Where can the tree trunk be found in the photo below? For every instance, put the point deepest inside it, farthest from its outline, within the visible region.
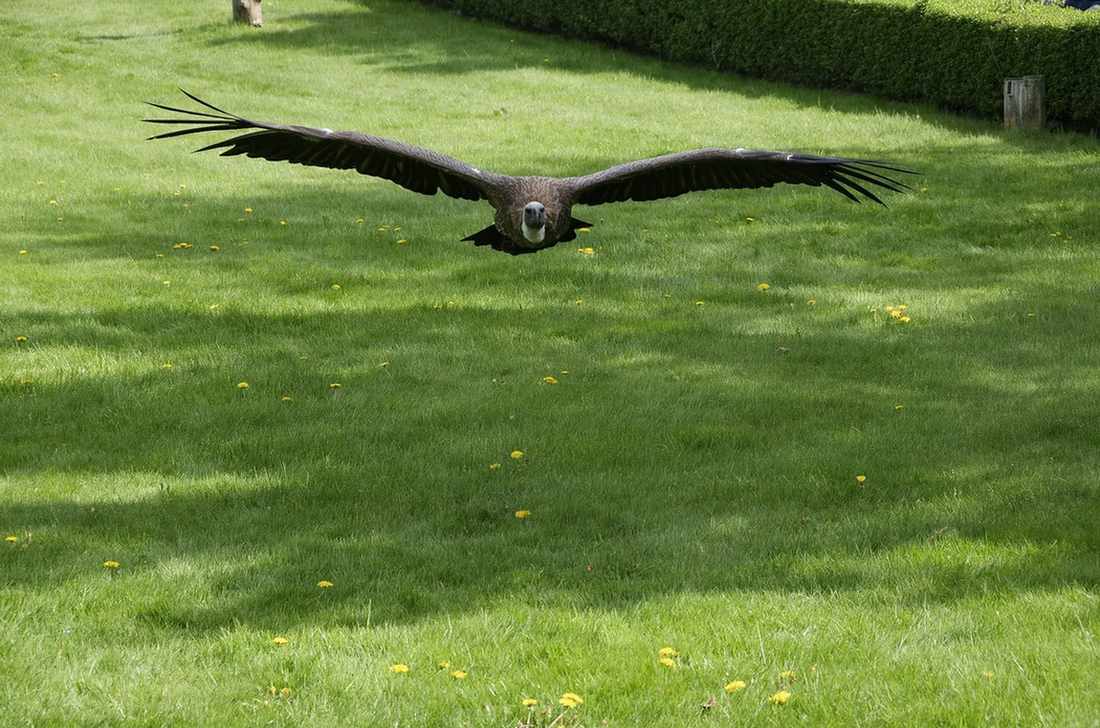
(1024, 103)
(248, 11)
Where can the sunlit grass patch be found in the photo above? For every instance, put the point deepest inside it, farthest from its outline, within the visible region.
(540, 471)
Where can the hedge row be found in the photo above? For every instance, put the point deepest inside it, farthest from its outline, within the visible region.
(953, 53)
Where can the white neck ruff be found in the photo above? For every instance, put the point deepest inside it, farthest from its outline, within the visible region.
(534, 235)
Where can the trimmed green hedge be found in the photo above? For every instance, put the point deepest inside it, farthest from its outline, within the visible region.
(954, 53)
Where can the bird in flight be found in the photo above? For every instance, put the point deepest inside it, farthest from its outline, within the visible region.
(532, 213)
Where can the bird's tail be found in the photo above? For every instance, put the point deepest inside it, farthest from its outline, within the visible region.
(199, 121)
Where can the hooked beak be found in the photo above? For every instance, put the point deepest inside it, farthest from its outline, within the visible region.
(534, 215)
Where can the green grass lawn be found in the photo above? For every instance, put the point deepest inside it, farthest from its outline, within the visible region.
(691, 476)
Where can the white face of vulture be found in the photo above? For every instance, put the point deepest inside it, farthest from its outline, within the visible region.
(534, 222)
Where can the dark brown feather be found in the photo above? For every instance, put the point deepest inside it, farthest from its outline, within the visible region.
(710, 169)
(414, 168)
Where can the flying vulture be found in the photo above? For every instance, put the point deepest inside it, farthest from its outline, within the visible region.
(532, 213)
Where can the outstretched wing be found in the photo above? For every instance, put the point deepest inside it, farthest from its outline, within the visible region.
(712, 169)
(414, 168)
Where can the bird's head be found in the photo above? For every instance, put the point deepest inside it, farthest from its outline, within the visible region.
(534, 222)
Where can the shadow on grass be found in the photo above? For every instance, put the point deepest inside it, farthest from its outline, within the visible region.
(408, 38)
(688, 449)
(687, 469)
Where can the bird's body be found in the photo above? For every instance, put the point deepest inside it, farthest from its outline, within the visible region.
(532, 213)
(514, 226)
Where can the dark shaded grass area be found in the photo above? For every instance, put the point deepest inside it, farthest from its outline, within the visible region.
(674, 456)
(387, 40)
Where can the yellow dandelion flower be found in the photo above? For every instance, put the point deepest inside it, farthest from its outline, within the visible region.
(861, 479)
(282, 222)
(11, 539)
(904, 319)
(700, 303)
(459, 674)
(285, 398)
(402, 241)
(550, 380)
(517, 455)
(494, 466)
(242, 385)
(570, 700)
(20, 339)
(584, 230)
(285, 692)
(987, 675)
(667, 652)
(762, 287)
(359, 221)
(780, 698)
(812, 301)
(399, 668)
(324, 584)
(786, 675)
(444, 665)
(335, 385)
(22, 252)
(899, 407)
(280, 641)
(530, 702)
(668, 662)
(215, 248)
(336, 286)
(166, 365)
(735, 685)
(586, 251)
(248, 210)
(521, 515)
(111, 564)
(383, 228)
(53, 202)
(272, 690)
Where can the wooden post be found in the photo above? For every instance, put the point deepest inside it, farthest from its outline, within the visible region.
(248, 11)
(1024, 103)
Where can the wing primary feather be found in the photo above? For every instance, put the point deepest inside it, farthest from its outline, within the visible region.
(183, 132)
(858, 188)
(874, 178)
(209, 106)
(234, 140)
(881, 165)
(174, 110)
(208, 120)
(841, 189)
